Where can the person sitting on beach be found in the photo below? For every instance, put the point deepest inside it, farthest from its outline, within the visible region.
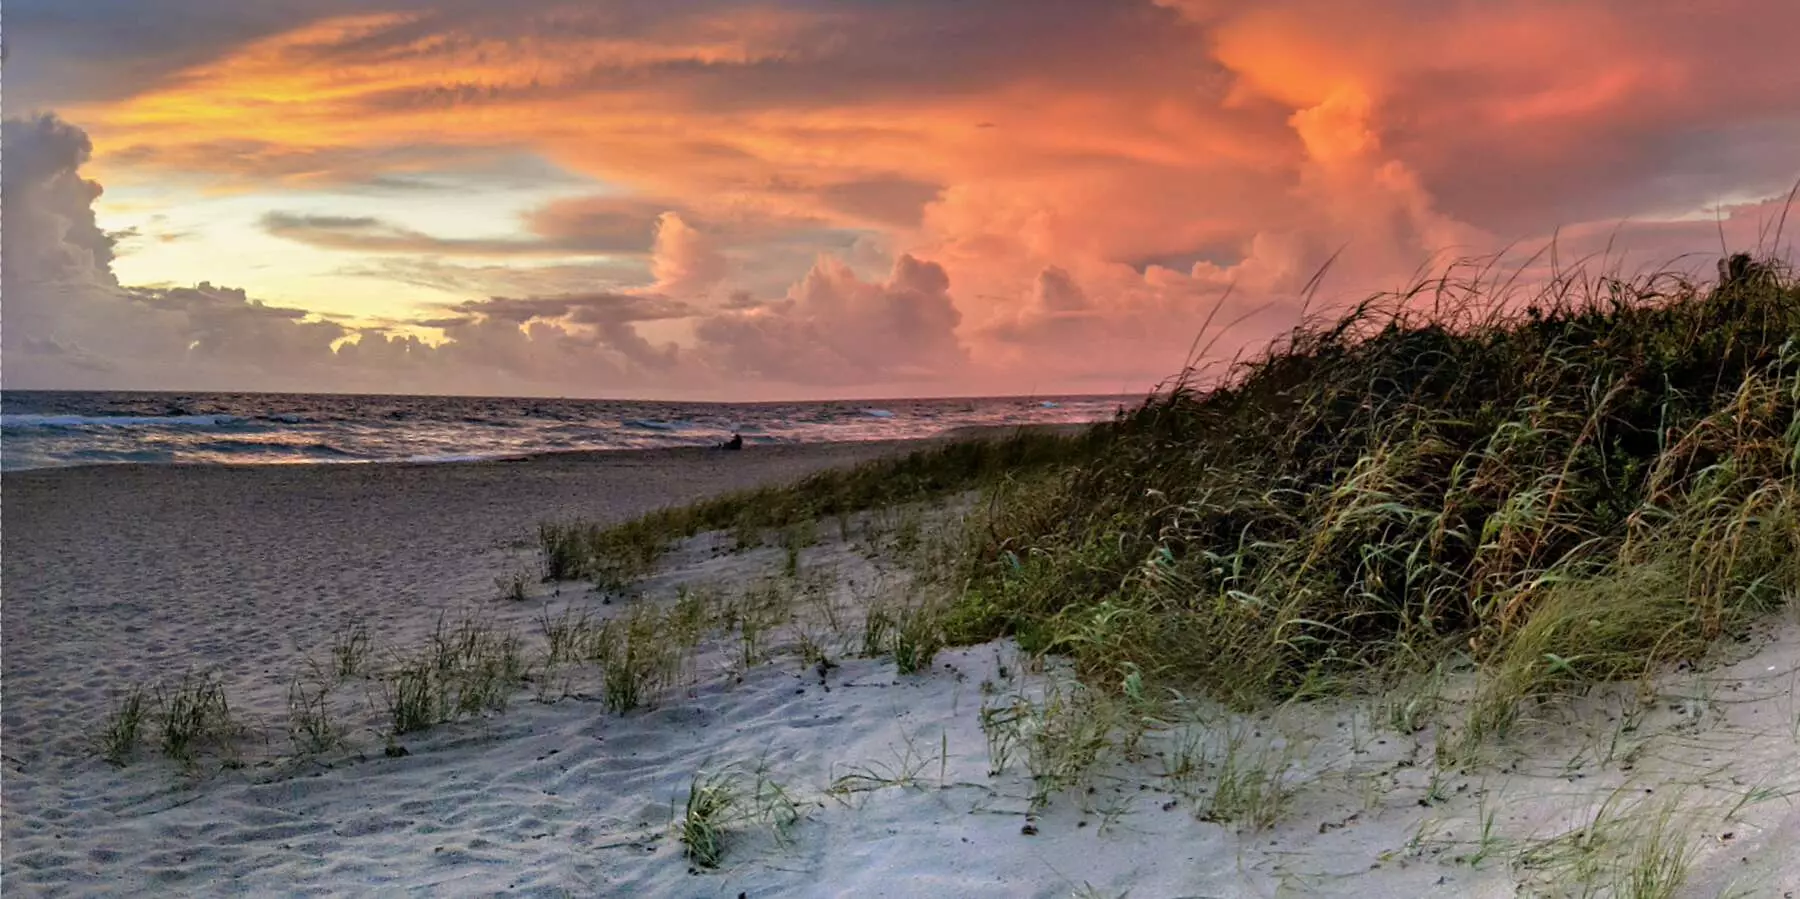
(735, 443)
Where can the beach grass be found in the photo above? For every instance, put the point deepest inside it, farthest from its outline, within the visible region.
(194, 715)
(350, 648)
(1577, 486)
(311, 729)
(123, 732)
(712, 801)
(724, 801)
(1574, 489)
(616, 555)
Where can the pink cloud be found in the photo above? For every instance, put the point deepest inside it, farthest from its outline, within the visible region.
(1091, 178)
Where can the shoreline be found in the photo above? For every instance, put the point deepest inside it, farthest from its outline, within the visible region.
(965, 432)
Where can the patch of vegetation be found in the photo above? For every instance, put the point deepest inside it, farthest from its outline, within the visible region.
(310, 728)
(464, 671)
(616, 555)
(564, 549)
(350, 649)
(195, 716)
(1251, 786)
(918, 635)
(1576, 487)
(124, 727)
(1571, 490)
(721, 802)
(638, 657)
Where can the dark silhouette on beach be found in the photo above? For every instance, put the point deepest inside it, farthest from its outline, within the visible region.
(735, 443)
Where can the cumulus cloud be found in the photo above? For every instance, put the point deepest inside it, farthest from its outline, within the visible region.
(1092, 177)
(684, 260)
(71, 324)
(834, 328)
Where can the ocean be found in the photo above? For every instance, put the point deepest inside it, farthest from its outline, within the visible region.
(45, 429)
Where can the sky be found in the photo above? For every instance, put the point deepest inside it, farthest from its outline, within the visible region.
(807, 198)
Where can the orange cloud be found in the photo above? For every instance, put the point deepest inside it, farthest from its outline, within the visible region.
(1089, 178)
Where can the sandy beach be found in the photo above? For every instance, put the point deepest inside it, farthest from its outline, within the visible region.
(153, 568)
(894, 783)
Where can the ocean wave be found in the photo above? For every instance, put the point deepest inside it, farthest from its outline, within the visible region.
(142, 456)
(265, 447)
(652, 424)
(30, 421)
(439, 458)
(43, 431)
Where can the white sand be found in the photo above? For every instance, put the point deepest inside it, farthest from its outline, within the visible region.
(564, 798)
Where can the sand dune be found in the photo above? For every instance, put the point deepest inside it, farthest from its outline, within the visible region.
(123, 576)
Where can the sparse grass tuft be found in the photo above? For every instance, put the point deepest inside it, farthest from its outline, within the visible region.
(878, 629)
(721, 801)
(466, 670)
(195, 716)
(413, 699)
(1251, 786)
(918, 635)
(124, 727)
(638, 657)
(350, 649)
(310, 727)
(563, 548)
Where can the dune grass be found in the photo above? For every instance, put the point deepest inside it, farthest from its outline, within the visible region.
(722, 802)
(124, 726)
(463, 671)
(1572, 487)
(194, 716)
(1579, 488)
(1573, 490)
(616, 555)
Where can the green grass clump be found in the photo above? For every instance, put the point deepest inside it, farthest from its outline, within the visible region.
(465, 670)
(918, 635)
(124, 727)
(638, 656)
(195, 716)
(1574, 489)
(721, 802)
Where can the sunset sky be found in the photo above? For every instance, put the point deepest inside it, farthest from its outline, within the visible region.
(790, 199)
